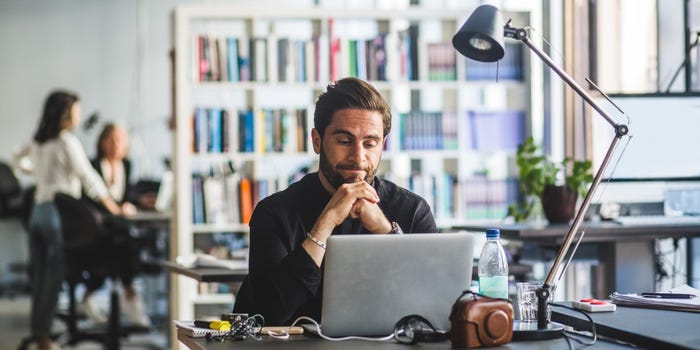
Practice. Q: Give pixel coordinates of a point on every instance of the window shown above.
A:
(645, 46)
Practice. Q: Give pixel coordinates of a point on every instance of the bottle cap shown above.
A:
(493, 233)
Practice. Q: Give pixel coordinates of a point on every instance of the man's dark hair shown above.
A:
(350, 93)
(57, 109)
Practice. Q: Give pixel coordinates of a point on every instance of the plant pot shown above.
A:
(558, 203)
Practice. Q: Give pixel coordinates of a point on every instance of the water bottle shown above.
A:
(493, 267)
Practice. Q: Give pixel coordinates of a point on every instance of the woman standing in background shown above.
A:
(58, 163)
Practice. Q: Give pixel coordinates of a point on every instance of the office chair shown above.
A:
(84, 229)
(12, 198)
(9, 191)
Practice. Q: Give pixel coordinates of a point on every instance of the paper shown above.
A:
(206, 260)
(189, 329)
(692, 304)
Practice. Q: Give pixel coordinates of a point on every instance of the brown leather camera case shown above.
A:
(481, 321)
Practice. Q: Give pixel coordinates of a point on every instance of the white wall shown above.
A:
(88, 47)
(113, 53)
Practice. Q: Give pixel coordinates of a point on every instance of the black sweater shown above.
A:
(284, 282)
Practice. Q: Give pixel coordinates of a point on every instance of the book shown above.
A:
(246, 194)
(189, 329)
(214, 199)
(232, 59)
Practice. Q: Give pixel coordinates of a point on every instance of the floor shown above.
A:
(14, 326)
(15, 302)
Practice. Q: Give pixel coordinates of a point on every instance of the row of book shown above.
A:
(230, 198)
(323, 58)
(480, 130)
(275, 130)
(317, 59)
(208, 288)
(428, 130)
(286, 130)
(222, 198)
(442, 62)
(473, 198)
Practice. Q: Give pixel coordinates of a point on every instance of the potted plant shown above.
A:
(540, 184)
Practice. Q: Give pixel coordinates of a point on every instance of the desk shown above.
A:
(312, 342)
(652, 328)
(207, 274)
(625, 252)
(149, 217)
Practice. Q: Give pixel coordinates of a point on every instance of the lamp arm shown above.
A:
(545, 291)
(521, 34)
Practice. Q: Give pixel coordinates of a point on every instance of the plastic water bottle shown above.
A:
(493, 267)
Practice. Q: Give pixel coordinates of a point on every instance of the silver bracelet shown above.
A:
(395, 229)
(318, 242)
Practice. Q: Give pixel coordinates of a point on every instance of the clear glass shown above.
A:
(527, 301)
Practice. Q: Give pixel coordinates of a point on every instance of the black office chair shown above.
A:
(10, 192)
(12, 206)
(84, 230)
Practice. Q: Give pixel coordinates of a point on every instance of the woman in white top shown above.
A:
(58, 163)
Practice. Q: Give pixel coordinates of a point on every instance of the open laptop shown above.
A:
(372, 281)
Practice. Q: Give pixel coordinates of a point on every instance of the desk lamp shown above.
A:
(481, 38)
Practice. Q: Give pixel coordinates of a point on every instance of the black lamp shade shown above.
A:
(481, 36)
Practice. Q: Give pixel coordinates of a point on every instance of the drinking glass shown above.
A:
(527, 301)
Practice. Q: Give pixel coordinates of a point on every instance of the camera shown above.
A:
(481, 321)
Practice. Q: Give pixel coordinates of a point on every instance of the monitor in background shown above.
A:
(664, 130)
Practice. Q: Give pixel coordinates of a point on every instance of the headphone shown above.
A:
(412, 329)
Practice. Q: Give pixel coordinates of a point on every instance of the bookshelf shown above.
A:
(246, 81)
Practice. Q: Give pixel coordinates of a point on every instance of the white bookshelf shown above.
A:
(398, 164)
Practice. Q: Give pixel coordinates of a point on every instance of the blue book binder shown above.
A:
(197, 200)
(497, 130)
(200, 130)
(232, 57)
(247, 128)
(215, 128)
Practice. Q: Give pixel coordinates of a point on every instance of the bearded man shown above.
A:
(288, 229)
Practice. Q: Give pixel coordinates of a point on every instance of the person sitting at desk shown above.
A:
(114, 168)
(288, 229)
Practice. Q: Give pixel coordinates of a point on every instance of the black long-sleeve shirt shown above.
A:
(283, 281)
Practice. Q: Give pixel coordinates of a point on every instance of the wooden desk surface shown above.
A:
(149, 217)
(207, 274)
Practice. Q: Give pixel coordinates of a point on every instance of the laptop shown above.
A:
(372, 281)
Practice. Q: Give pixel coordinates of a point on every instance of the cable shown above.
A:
(318, 331)
(242, 329)
(568, 334)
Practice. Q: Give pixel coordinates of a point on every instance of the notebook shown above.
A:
(372, 281)
(189, 329)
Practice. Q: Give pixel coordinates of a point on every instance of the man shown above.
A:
(288, 229)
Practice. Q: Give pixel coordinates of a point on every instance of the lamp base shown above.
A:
(529, 331)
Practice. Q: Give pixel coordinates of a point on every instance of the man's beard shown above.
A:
(332, 174)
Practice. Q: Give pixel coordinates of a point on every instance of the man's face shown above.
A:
(351, 147)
